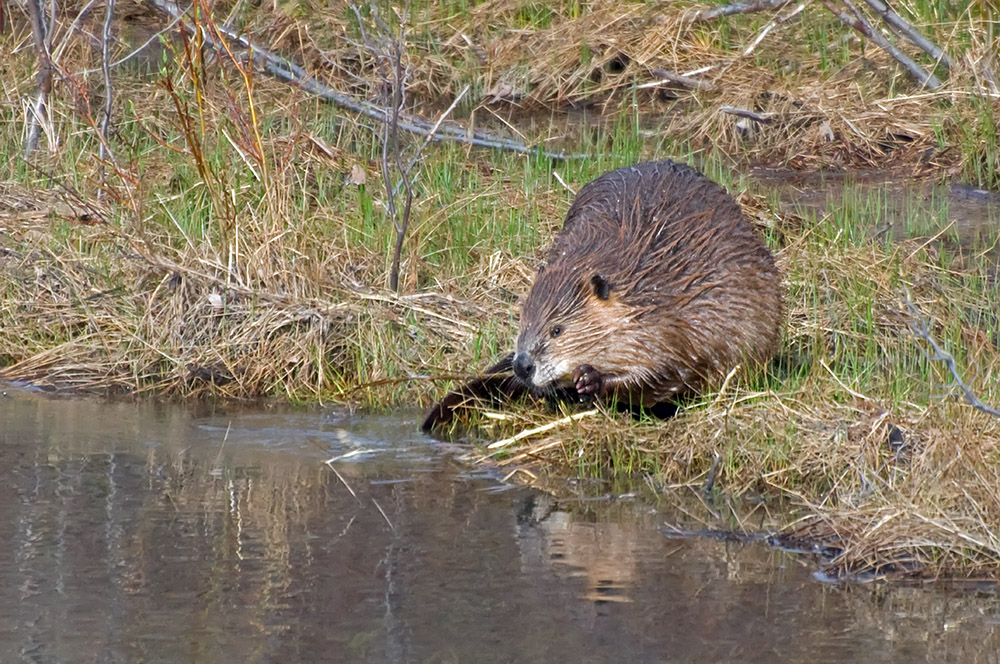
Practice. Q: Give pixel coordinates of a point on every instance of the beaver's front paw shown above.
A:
(587, 380)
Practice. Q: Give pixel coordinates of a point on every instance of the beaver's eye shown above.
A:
(556, 331)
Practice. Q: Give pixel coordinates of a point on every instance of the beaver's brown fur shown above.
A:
(656, 284)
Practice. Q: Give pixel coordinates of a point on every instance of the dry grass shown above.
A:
(131, 316)
(830, 98)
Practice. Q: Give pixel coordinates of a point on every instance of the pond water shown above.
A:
(961, 218)
(143, 533)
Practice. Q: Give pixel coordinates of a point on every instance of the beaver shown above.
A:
(655, 285)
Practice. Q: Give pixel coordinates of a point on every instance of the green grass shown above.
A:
(980, 142)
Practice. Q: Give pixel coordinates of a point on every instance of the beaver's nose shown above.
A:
(524, 368)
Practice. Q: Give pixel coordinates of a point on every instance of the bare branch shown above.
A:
(402, 224)
(437, 124)
(922, 331)
(288, 71)
(858, 21)
(901, 26)
(775, 22)
(108, 91)
(391, 147)
(739, 8)
(745, 113)
(38, 114)
(678, 79)
(387, 49)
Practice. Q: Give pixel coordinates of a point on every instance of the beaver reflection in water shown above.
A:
(655, 285)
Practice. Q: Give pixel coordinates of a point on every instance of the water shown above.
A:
(963, 218)
(141, 533)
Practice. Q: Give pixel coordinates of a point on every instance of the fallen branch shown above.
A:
(290, 72)
(739, 8)
(677, 79)
(901, 26)
(922, 331)
(744, 113)
(858, 22)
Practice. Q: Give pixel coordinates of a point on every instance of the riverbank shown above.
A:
(235, 243)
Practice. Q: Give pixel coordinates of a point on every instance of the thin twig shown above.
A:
(771, 26)
(290, 72)
(739, 8)
(402, 222)
(437, 125)
(131, 54)
(745, 113)
(384, 515)
(38, 114)
(858, 21)
(541, 429)
(388, 51)
(677, 79)
(329, 462)
(853, 393)
(555, 174)
(922, 331)
(108, 91)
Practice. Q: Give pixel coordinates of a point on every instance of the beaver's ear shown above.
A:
(602, 289)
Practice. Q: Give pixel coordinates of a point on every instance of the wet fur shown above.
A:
(693, 289)
(658, 284)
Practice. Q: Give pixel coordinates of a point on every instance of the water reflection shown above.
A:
(143, 533)
(963, 218)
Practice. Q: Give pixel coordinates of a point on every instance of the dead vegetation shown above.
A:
(134, 315)
(793, 88)
(234, 241)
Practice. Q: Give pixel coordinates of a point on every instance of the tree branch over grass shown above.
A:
(851, 16)
(856, 20)
(902, 27)
(678, 79)
(922, 330)
(284, 69)
(740, 8)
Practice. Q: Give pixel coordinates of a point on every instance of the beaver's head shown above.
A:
(571, 317)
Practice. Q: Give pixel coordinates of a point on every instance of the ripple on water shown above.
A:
(153, 533)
